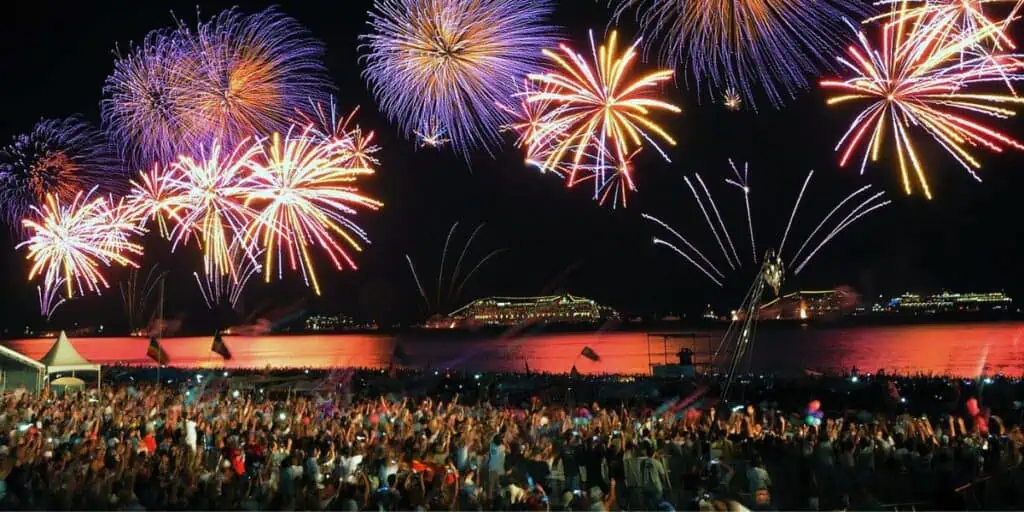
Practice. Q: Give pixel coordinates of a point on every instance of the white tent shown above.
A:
(62, 357)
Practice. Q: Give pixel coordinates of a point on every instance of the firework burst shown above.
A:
(772, 45)
(965, 17)
(74, 241)
(529, 121)
(305, 194)
(254, 71)
(60, 157)
(211, 204)
(732, 100)
(919, 80)
(838, 219)
(452, 61)
(146, 99)
(327, 125)
(432, 134)
(152, 199)
(599, 111)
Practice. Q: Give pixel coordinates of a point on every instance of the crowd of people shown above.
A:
(190, 444)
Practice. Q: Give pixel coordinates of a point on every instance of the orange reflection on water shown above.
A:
(960, 349)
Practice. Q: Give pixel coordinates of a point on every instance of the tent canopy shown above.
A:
(21, 358)
(63, 357)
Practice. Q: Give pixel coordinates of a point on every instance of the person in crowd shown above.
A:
(185, 446)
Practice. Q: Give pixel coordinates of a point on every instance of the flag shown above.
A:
(590, 354)
(219, 347)
(399, 354)
(156, 353)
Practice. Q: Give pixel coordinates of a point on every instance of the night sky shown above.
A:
(55, 57)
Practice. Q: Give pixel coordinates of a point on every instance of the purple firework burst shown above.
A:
(232, 77)
(60, 157)
(145, 108)
(451, 62)
(253, 72)
(748, 45)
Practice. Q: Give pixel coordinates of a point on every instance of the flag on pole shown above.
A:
(590, 354)
(156, 353)
(219, 347)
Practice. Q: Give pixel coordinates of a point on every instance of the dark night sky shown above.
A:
(55, 57)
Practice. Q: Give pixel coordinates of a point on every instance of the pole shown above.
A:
(650, 364)
(160, 329)
(664, 343)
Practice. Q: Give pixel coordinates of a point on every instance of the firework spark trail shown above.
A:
(725, 231)
(711, 224)
(685, 241)
(458, 263)
(659, 241)
(136, 299)
(846, 223)
(455, 285)
(741, 183)
(458, 291)
(50, 298)
(419, 285)
(444, 256)
(855, 193)
(792, 214)
(215, 288)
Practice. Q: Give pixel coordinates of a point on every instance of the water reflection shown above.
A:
(963, 349)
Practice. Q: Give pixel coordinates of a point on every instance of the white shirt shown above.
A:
(349, 466)
(190, 434)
